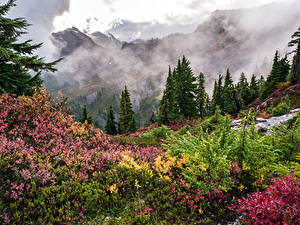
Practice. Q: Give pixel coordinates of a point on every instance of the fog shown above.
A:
(40, 14)
(243, 40)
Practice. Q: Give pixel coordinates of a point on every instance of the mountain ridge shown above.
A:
(222, 41)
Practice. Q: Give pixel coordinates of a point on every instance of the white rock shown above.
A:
(295, 110)
(260, 120)
(261, 127)
(236, 123)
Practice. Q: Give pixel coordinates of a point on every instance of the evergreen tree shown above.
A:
(85, 117)
(214, 96)
(152, 118)
(111, 125)
(168, 110)
(185, 89)
(126, 114)
(279, 73)
(17, 61)
(201, 95)
(254, 87)
(261, 83)
(244, 90)
(132, 126)
(217, 99)
(283, 70)
(208, 106)
(229, 105)
(295, 43)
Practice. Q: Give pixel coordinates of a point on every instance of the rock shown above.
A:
(260, 120)
(261, 127)
(236, 123)
(264, 125)
(264, 104)
(295, 110)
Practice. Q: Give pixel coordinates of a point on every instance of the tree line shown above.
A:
(185, 96)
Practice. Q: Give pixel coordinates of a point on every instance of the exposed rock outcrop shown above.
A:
(264, 125)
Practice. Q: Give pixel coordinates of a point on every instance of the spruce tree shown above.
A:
(17, 60)
(229, 105)
(217, 99)
(126, 114)
(111, 125)
(270, 81)
(254, 88)
(132, 126)
(168, 110)
(185, 89)
(295, 43)
(279, 73)
(201, 95)
(244, 90)
(152, 118)
(85, 117)
(283, 70)
(261, 83)
(214, 96)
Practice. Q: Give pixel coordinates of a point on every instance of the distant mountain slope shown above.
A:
(242, 40)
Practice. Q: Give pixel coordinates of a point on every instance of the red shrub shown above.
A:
(279, 204)
(264, 115)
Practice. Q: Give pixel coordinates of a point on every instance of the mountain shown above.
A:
(72, 39)
(97, 66)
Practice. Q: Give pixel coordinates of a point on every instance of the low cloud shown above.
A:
(40, 13)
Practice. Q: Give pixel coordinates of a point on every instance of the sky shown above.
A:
(126, 19)
(101, 15)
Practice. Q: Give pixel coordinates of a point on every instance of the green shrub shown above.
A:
(282, 108)
(158, 133)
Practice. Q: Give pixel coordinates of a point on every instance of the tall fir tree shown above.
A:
(126, 114)
(254, 88)
(283, 70)
(17, 60)
(217, 99)
(185, 89)
(295, 43)
(111, 124)
(168, 110)
(261, 83)
(201, 95)
(244, 91)
(132, 126)
(85, 118)
(279, 73)
(229, 105)
(152, 118)
(214, 96)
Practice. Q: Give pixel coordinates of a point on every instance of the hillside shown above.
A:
(232, 158)
(58, 171)
(100, 65)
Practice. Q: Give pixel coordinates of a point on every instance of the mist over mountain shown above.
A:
(129, 31)
(97, 66)
(40, 14)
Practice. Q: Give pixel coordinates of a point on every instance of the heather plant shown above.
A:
(55, 170)
(278, 204)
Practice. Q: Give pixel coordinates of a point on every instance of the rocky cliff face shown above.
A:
(242, 40)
